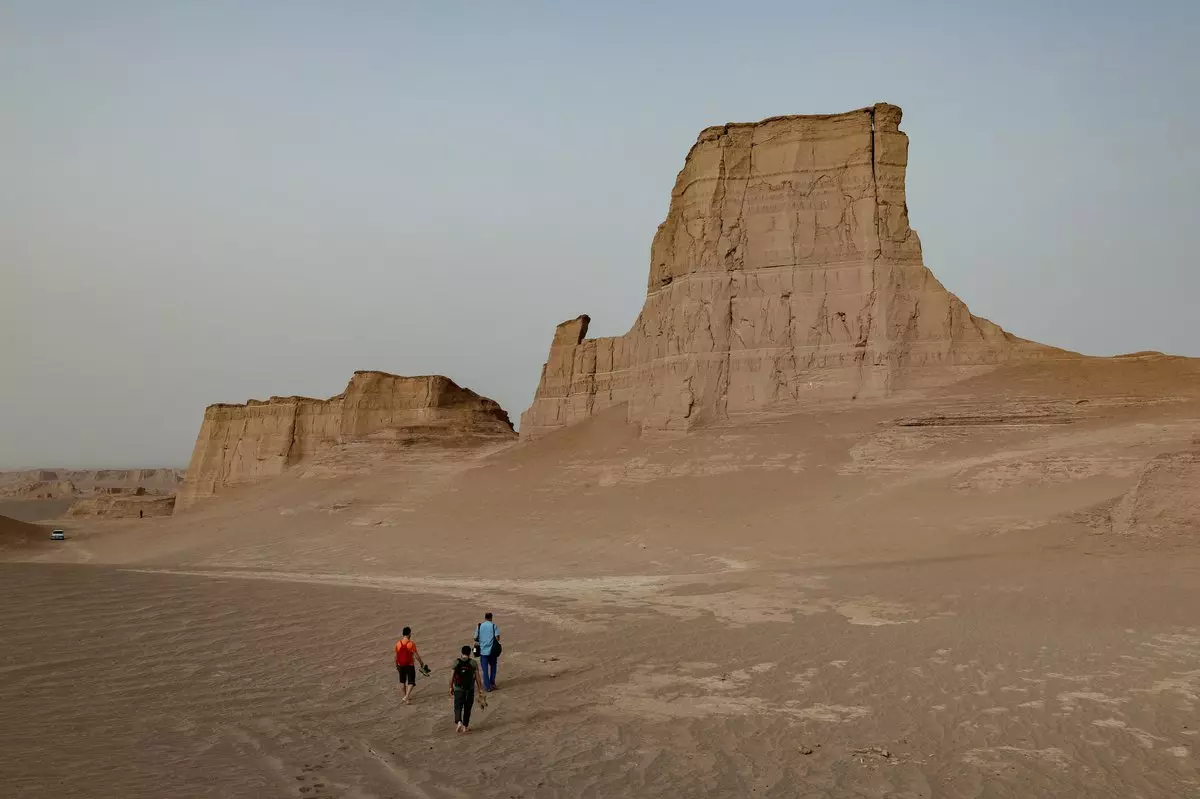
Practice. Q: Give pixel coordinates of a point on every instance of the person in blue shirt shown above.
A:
(487, 634)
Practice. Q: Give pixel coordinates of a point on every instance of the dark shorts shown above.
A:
(408, 674)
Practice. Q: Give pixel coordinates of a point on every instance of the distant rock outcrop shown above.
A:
(240, 444)
(122, 506)
(57, 489)
(65, 483)
(785, 273)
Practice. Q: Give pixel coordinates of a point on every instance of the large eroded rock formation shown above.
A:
(785, 272)
(247, 443)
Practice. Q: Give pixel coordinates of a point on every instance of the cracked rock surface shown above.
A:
(786, 273)
(247, 443)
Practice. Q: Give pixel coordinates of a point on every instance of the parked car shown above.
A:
(58, 535)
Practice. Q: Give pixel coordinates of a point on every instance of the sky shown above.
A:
(214, 200)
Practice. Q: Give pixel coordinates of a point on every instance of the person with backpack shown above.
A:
(464, 679)
(406, 654)
(487, 641)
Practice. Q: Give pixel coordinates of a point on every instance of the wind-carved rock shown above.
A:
(122, 506)
(240, 444)
(66, 483)
(785, 273)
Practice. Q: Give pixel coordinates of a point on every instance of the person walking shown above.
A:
(464, 680)
(487, 635)
(407, 657)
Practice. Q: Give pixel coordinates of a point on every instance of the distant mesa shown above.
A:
(786, 273)
(38, 489)
(68, 483)
(259, 440)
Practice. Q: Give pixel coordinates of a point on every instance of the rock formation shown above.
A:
(122, 506)
(63, 489)
(65, 483)
(241, 444)
(1165, 501)
(785, 273)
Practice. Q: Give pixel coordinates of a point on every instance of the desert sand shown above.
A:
(19, 534)
(945, 563)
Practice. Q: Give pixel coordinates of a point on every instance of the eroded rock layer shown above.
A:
(65, 483)
(241, 444)
(786, 272)
(1165, 501)
(122, 506)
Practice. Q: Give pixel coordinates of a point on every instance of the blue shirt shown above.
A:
(487, 636)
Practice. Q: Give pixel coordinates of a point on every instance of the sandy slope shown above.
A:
(34, 510)
(940, 577)
(21, 536)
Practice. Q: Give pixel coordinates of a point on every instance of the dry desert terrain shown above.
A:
(917, 599)
(809, 529)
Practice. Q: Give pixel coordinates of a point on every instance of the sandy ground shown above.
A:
(34, 510)
(21, 536)
(923, 598)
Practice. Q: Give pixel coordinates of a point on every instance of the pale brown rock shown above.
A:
(65, 483)
(125, 491)
(56, 489)
(122, 506)
(1165, 500)
(785, 273)
(241, 444)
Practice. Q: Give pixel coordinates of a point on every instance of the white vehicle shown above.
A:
(58, 535)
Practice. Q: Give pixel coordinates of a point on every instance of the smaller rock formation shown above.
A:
(64, 489)
(122, 506)
(1166, 499)
(133, 491)
(258, 440)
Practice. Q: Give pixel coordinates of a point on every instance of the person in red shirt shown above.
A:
(406, 654)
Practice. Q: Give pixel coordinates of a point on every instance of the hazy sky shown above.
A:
(208, 201)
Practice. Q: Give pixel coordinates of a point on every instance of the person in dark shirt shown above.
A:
(464, 681)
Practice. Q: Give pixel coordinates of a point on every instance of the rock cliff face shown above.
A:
(241, 444)
(122, 506)
(785, 273)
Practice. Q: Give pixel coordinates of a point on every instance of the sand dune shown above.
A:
(20, 535)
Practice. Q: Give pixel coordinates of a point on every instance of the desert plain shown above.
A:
(810, 529)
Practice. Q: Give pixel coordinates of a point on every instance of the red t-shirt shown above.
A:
(404, 652)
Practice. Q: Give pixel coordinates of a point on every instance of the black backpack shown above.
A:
(464, 675)
(496, 648)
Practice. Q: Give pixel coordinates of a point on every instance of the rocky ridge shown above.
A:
(786, 273)
(247, 443)
(122, 506)
(65, 483)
